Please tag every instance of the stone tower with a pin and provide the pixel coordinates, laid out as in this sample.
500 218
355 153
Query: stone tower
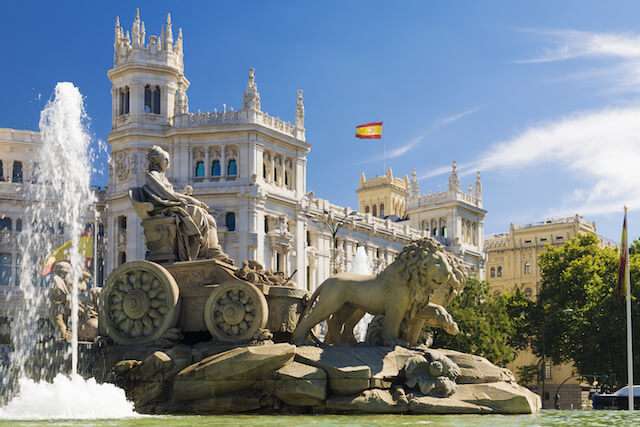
383 196
147 78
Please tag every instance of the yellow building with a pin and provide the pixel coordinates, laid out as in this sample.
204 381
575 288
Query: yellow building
512 263
383 196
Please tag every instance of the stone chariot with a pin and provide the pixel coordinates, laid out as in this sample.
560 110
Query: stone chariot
143 300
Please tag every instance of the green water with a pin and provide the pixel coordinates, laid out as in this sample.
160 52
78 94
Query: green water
547 418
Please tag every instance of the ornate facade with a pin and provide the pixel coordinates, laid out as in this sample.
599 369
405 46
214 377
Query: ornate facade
455 218
248 166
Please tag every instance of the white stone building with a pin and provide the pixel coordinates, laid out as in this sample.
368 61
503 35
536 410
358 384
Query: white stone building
248 166
455 218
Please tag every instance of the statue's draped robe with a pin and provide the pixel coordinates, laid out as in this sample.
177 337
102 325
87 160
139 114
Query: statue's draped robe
196 229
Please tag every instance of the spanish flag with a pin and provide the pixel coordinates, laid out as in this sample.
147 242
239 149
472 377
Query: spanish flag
61 253
371 130
623 269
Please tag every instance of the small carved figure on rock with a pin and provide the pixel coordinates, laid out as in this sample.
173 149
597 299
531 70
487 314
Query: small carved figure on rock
60 297
434 377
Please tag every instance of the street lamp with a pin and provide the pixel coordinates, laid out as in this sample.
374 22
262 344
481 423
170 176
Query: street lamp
334 224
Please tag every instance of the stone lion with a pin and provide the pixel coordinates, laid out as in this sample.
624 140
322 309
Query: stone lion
414 288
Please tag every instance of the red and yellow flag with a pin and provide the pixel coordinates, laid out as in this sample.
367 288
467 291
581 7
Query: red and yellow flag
623 276
61 253
371 130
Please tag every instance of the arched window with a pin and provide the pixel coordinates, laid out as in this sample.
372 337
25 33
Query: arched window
16 175
1 172
493 272
232 168
5 223
18 225
527 268
152 99
528 292
366 209
148 99
286 178
156 100
381 210
199 172
374 210
499 271
230 221
123 100
215 168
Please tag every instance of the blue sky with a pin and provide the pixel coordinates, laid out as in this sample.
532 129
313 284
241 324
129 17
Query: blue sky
543 96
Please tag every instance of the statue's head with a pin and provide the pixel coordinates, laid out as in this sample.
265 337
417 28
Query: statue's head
158 159
62 269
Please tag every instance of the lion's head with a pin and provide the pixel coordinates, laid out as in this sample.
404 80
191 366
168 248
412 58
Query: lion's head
432 274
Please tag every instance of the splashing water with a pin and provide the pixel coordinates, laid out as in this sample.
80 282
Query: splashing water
59 203
67 398
360 265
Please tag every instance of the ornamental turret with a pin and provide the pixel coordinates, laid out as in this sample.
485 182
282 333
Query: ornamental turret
148 82
454 181
251 99
478 188
414 187
300 110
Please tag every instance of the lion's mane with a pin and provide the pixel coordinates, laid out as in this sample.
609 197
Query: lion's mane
414 265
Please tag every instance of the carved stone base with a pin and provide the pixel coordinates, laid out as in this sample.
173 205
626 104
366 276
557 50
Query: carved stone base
160 236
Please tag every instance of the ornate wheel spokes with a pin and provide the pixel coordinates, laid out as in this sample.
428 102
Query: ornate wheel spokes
235 311
140 302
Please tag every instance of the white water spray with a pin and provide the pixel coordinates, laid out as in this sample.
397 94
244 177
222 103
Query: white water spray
360 265
60 201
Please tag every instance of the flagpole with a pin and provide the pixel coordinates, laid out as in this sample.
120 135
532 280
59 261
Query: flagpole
627 280
384 156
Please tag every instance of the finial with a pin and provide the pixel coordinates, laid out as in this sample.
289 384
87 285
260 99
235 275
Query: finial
478 189
454 182
363 178
389 173
251 99
168 37
300 109
137 13
414 188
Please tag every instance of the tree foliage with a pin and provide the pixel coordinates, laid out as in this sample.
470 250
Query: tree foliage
578 316
492 326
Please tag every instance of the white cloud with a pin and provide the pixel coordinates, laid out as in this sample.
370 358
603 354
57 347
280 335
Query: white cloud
414 142
601 148
615 57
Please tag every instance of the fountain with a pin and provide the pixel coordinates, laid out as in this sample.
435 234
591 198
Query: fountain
361 265
59 200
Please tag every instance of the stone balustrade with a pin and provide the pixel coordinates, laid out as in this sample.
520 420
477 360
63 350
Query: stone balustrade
202 119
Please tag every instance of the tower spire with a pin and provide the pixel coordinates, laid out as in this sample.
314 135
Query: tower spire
414 187
478 187
251 99
168 35
300 110
136 29
454 181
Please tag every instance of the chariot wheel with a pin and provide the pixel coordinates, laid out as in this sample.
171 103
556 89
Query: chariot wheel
235 311
139 303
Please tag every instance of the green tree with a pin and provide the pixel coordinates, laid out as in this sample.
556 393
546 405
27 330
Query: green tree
578 317
492 326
